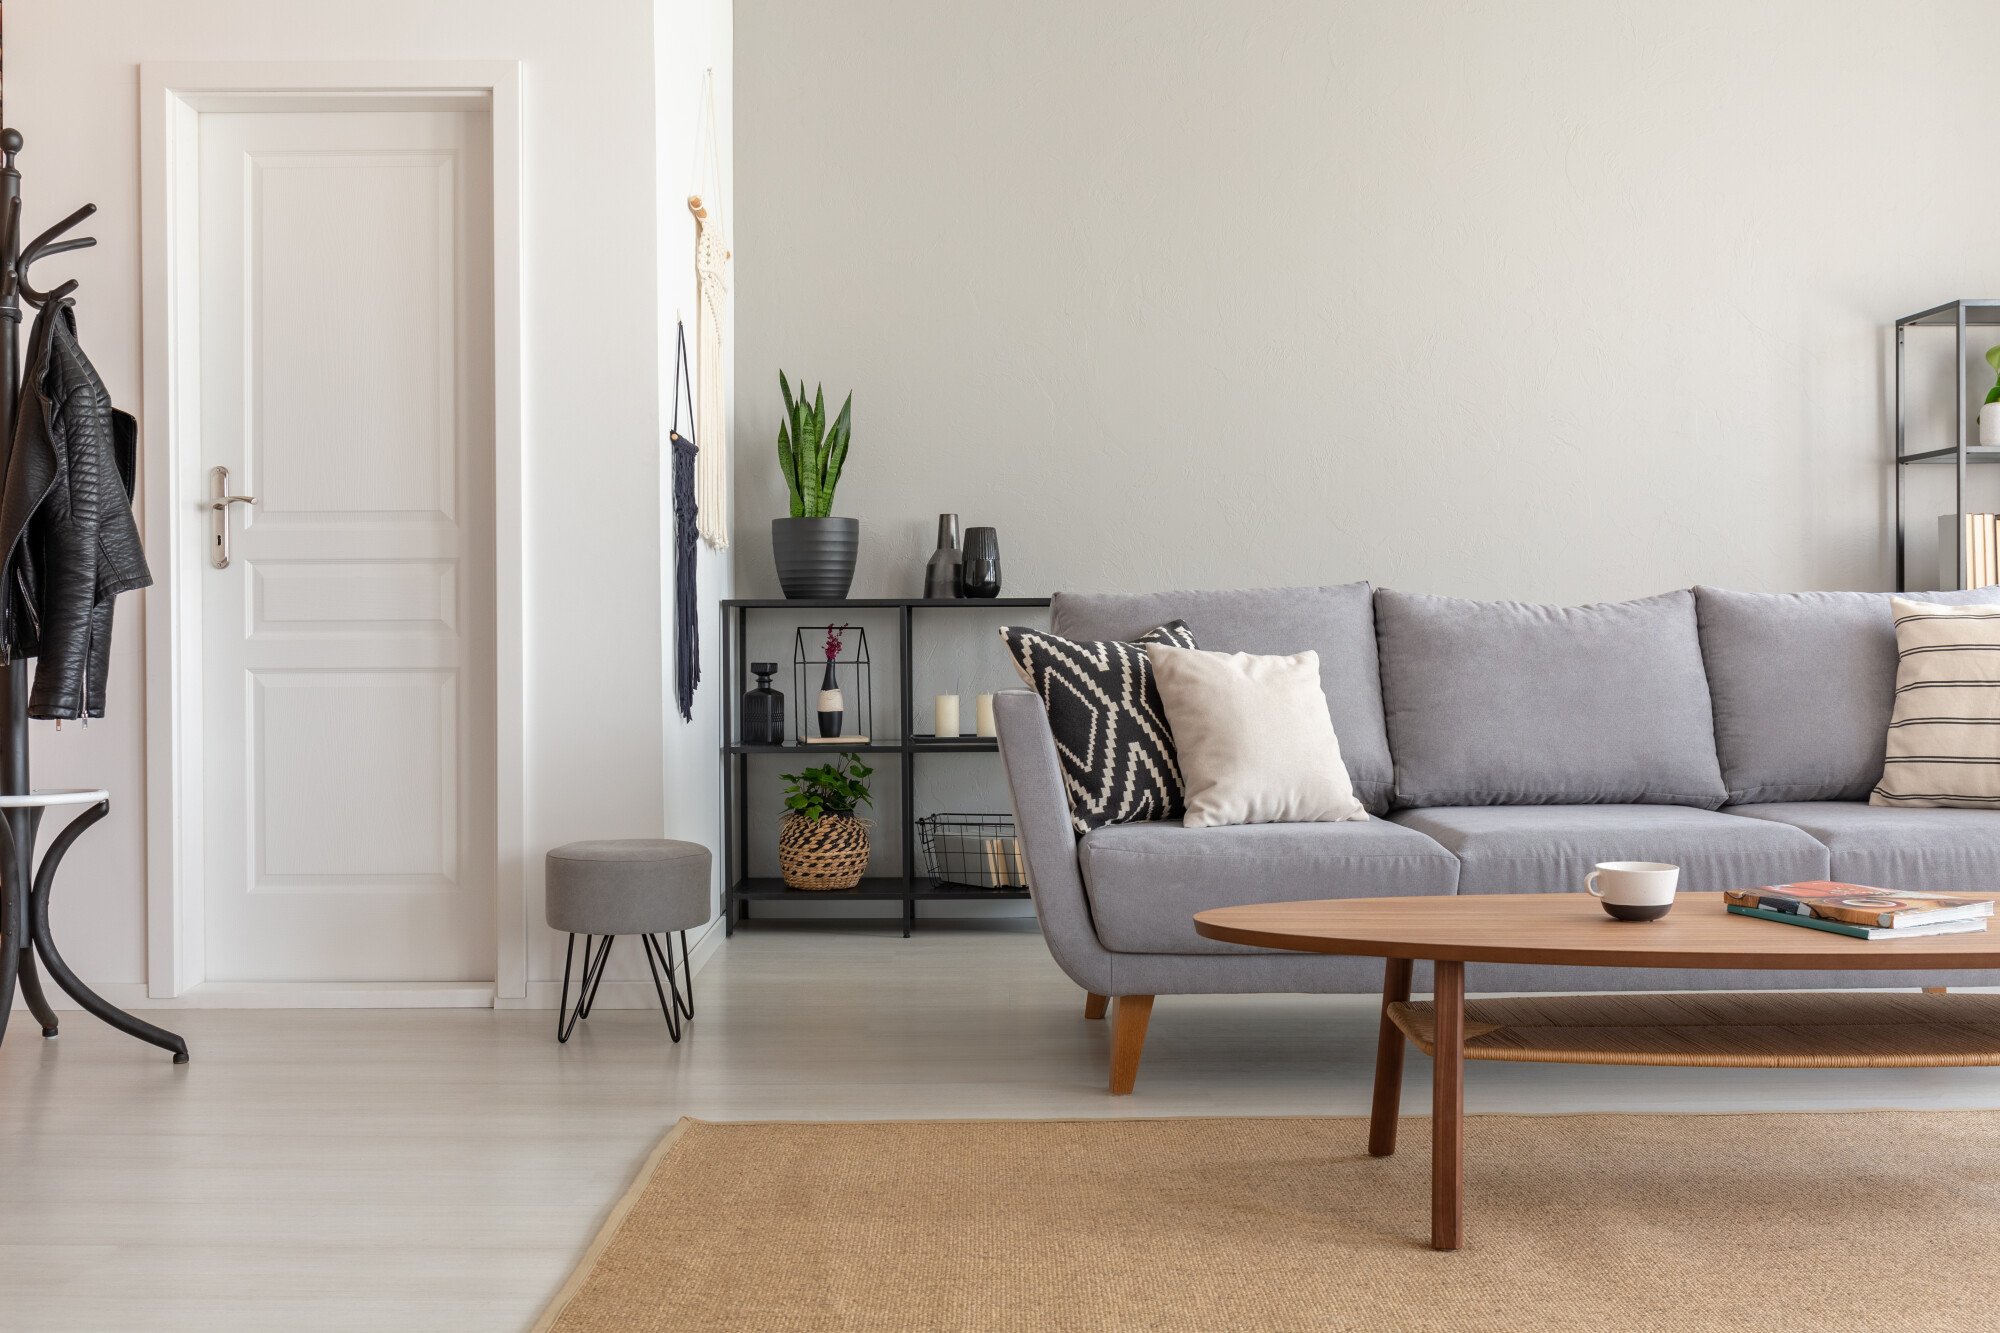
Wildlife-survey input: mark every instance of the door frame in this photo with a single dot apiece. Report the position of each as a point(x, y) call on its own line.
point(172, 98)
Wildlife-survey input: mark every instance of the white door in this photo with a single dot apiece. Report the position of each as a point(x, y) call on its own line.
point(346, 373)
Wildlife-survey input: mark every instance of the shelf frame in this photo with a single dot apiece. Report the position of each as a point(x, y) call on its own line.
point(909, 888)
point(1982, 312)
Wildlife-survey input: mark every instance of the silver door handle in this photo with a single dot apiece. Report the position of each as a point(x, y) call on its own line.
point(218, 510)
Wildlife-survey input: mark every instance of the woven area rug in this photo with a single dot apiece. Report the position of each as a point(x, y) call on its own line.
point(1852, 1221)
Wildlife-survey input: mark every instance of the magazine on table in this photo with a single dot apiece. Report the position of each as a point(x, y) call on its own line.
point(1860, 905)
point(1968, 925)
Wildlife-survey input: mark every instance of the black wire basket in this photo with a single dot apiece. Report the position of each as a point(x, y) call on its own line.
point(972, 852)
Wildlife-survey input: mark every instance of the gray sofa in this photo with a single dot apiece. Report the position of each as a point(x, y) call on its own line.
point(1501, 748)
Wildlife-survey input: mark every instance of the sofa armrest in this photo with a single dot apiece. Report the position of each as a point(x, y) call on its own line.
point(1048, 840)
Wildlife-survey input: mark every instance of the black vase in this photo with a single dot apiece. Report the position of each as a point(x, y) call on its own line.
point(982, 562)
point(815, 556)
point(943, 575)
point(829, 718)
point(763, 709)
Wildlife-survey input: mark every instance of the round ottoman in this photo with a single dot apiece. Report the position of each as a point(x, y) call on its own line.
point(628, 886)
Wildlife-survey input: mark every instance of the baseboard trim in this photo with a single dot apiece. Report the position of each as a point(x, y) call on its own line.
point(291, 995)
point(615, 993)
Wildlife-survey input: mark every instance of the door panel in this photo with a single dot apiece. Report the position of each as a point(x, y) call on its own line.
point(348, 648)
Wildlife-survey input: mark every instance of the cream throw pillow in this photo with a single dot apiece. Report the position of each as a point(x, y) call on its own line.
point(1255, 741)
point(1944, 736)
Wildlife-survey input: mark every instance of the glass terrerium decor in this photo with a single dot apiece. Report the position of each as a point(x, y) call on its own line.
point(831, 671)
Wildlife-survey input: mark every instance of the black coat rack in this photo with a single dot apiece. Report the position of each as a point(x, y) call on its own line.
point(24, 887)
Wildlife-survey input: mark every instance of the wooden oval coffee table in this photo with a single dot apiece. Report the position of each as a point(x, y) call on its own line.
point(1830, 1030)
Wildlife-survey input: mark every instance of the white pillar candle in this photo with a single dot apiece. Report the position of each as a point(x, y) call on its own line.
point(947, 715)
point(985, 722)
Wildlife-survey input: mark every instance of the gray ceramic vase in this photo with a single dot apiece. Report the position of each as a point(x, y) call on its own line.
point(815, 556)
point(943, 577)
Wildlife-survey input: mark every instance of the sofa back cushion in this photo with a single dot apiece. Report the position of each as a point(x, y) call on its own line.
point(1803, 685)
point(1502, 703)
point(1338, 623)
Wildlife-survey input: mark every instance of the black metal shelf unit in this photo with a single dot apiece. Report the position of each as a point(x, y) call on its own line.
point(908, 888)
point(1962, 452)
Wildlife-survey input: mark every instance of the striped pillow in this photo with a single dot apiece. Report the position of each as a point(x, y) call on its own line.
point(1944, 737)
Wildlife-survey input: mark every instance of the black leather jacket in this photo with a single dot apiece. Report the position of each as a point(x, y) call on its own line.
point(70, 545)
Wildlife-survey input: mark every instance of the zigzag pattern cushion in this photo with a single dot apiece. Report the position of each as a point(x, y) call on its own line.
point(1110, 728)
point(1944, 736)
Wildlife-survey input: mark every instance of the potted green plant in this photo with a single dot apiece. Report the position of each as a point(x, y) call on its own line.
point(822, 843)
point(1989, 413)
point(814, 551)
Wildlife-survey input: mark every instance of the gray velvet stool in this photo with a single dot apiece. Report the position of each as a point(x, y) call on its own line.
point(628, 886)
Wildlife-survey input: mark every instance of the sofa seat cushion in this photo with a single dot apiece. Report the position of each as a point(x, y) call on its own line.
point(1504, 703)
point(1550, 848)
point(1145, 882)
point(1338, 623)
point(1943, 851)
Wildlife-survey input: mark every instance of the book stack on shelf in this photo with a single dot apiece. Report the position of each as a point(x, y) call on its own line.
point(1862, 912)
point(1982, 550)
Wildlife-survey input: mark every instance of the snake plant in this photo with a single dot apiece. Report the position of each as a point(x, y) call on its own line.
point(810, 451)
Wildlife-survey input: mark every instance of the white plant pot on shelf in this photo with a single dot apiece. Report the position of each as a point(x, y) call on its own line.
point(1989, 423)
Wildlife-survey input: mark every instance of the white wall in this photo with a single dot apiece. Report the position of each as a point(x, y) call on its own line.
point(598, 725)
point(1559, 299)
point(692, 39)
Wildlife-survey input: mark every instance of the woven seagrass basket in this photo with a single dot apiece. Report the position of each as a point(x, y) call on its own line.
point(830, 852)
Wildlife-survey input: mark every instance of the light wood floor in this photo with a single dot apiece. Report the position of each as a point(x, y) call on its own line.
point(442, 1169)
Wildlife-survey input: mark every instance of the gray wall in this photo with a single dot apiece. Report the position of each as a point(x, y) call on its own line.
point(1552, 301)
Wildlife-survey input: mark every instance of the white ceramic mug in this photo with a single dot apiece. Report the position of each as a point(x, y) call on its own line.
point(1634, 890)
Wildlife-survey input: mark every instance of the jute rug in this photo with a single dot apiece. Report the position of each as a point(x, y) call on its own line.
point(1852, 1221)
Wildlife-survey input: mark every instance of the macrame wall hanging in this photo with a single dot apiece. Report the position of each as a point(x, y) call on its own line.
point(686, 456)
point(711, 276)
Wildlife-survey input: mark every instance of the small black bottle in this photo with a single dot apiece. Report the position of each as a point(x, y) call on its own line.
point(763, 709)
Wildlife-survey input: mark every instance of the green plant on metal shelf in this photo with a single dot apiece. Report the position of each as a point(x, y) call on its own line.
point(809, 450)
point(838, 788)
point(1989, 414)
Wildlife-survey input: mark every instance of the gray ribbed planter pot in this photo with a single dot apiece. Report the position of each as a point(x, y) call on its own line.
point(815, 556)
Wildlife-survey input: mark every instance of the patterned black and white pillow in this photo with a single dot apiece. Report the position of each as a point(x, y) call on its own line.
point(1110, 729)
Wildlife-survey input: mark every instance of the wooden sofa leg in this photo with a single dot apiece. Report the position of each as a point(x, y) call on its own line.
point(1128, 1040)
point(1094, 1004)
point(1937, 990)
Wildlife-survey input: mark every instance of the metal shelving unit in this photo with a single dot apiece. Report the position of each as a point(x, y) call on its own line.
point(1963, 453)
point(908, 888)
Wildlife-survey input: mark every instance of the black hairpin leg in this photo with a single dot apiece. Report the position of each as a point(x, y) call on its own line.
point(586, 992)
point(661, 957)
point(687, 976)
point(38, 926)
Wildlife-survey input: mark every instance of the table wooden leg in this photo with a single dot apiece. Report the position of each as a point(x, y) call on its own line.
point(1448, 1110)
point(1389, 1061)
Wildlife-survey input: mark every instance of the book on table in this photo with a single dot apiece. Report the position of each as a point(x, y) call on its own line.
point(1880, 912)
point(1965, 926)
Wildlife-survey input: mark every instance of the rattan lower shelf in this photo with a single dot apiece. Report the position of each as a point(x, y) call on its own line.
point(1795, 1030)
